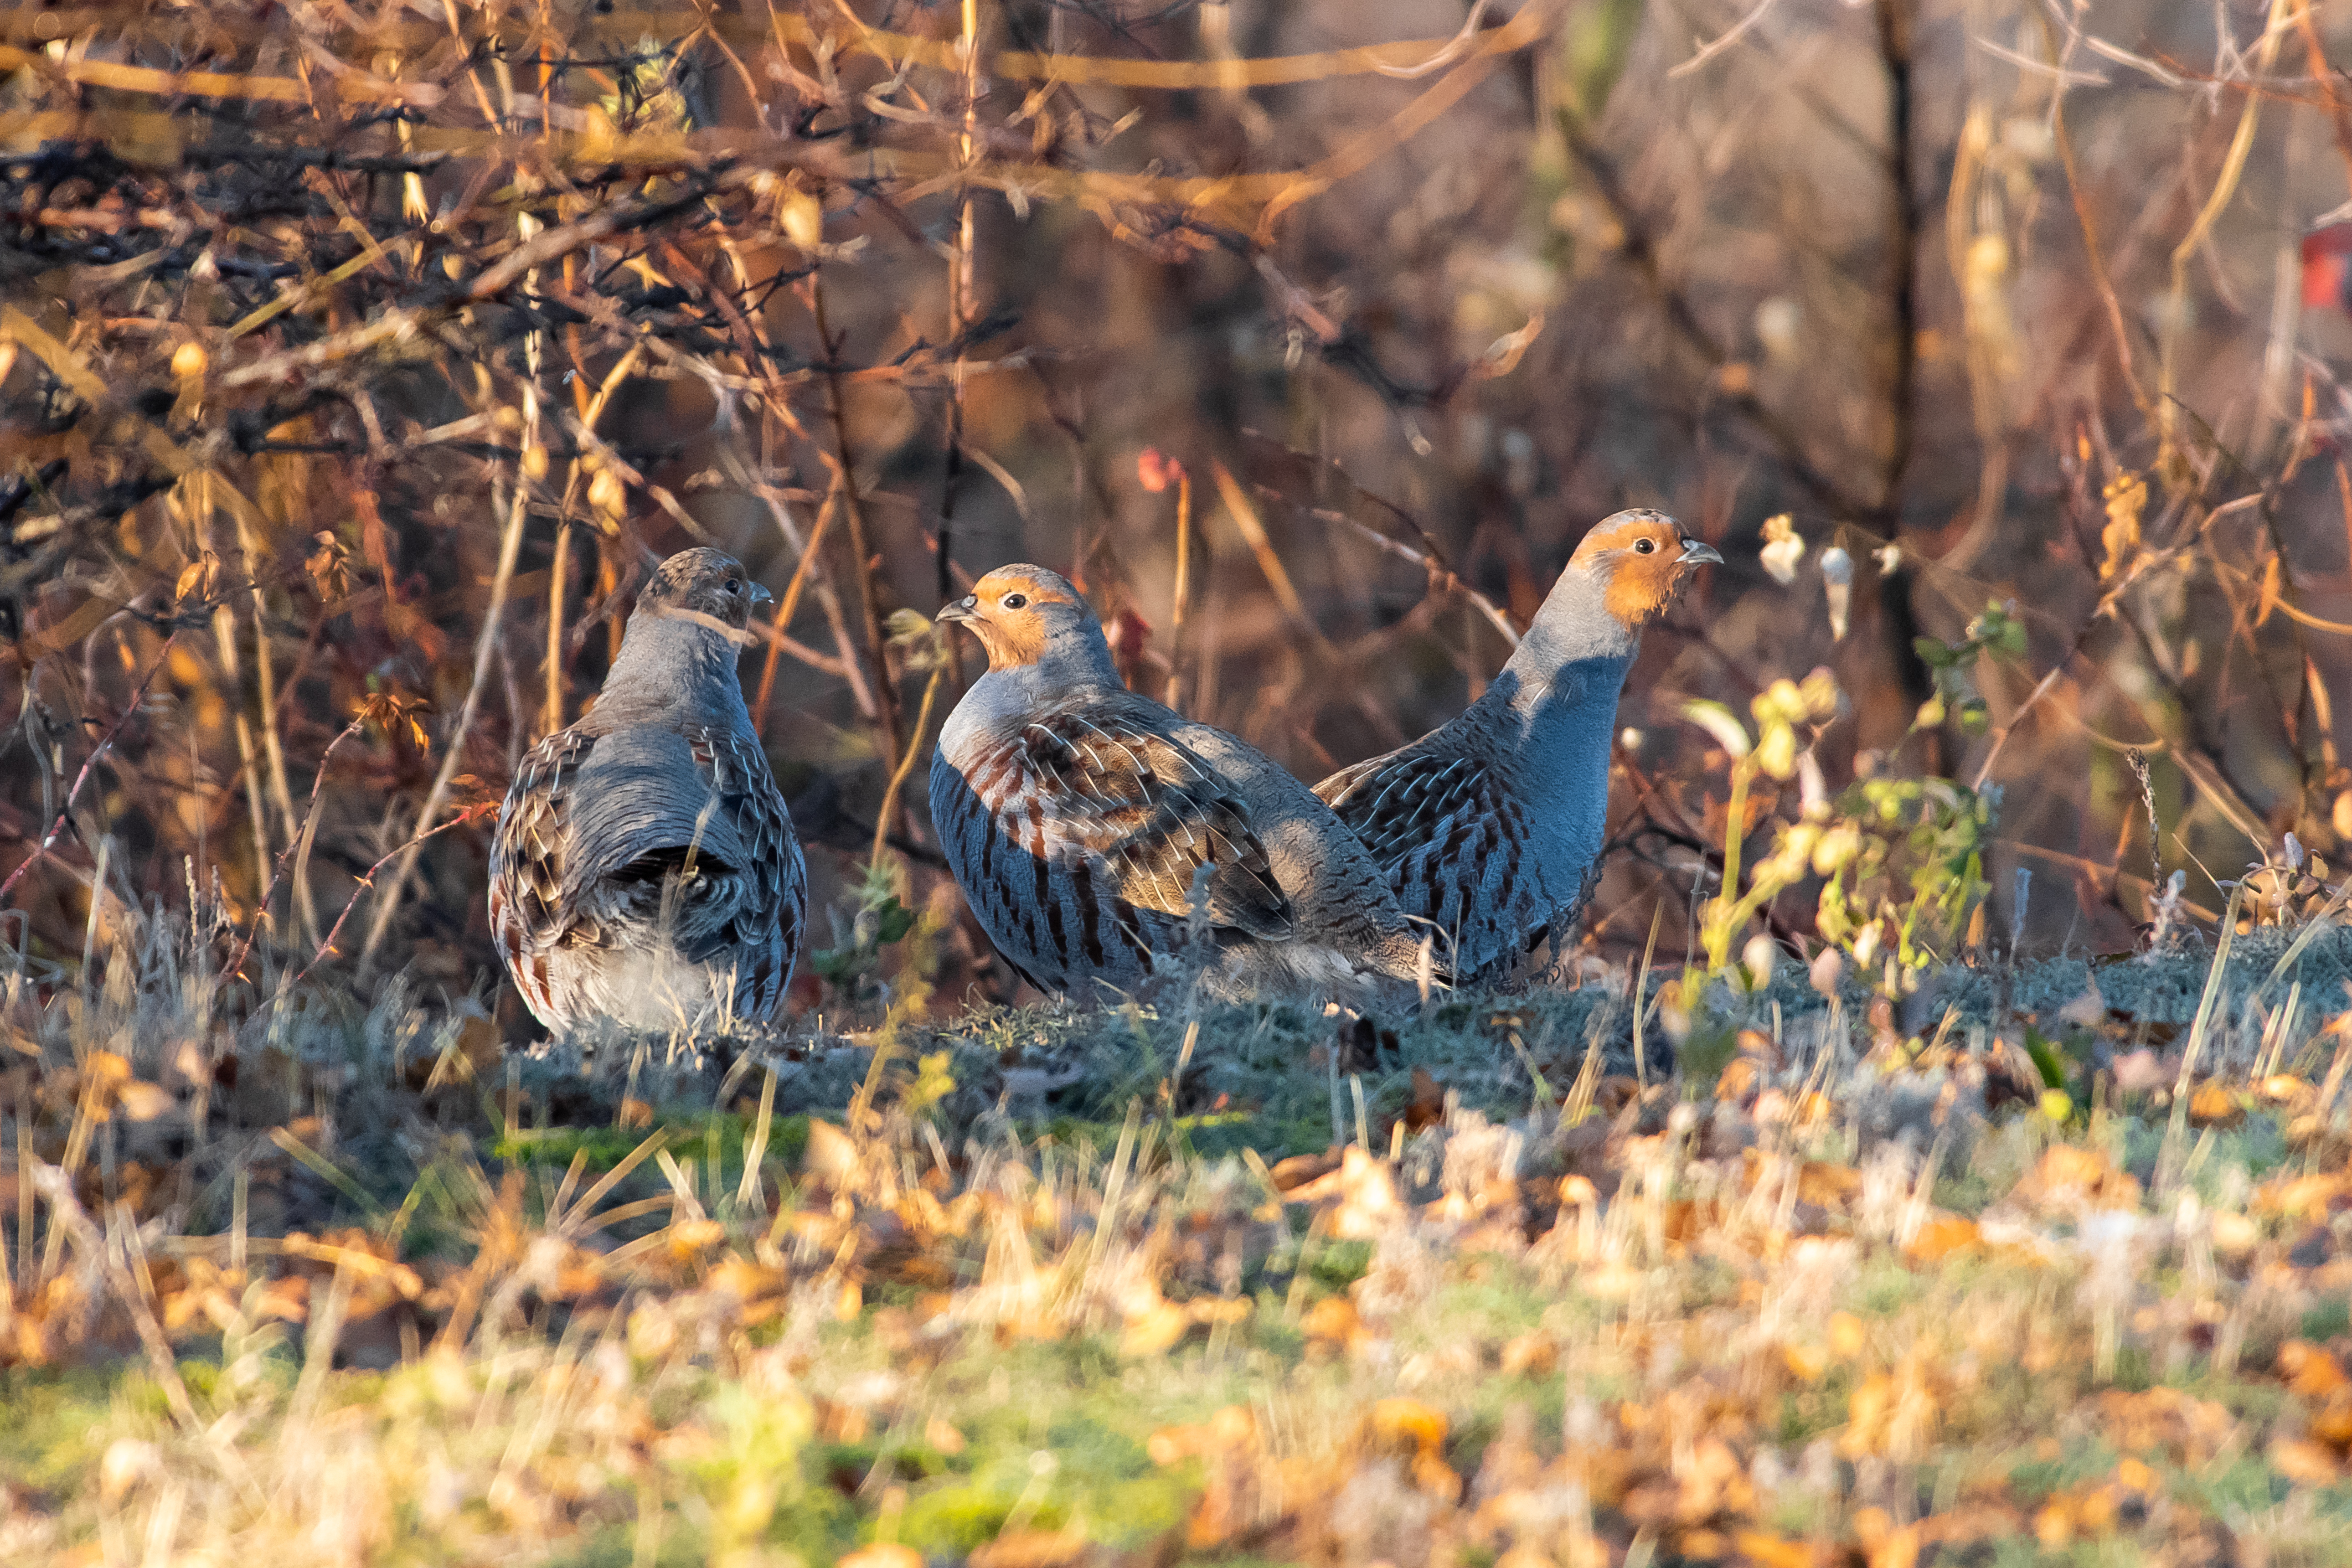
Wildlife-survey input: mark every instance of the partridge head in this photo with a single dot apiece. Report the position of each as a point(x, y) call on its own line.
point(1640, 560)
point(1027, 617)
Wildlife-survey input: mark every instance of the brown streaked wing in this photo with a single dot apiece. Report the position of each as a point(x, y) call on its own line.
point(528, 849)
point(1154, 816)
point(527, 859)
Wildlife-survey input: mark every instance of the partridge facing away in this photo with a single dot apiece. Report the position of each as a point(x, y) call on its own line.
point(1490, 825)
point(645, 868)
point(1078, 816)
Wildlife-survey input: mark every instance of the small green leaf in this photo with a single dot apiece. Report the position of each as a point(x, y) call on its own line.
point(2047, 1061)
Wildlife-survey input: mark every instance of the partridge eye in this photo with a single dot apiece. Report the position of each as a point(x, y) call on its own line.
point(1645, 547)
point(1016, 601)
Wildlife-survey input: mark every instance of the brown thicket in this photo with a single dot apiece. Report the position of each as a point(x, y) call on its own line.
point(357, 360)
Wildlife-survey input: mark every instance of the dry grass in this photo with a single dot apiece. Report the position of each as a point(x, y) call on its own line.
point(1026, 1289)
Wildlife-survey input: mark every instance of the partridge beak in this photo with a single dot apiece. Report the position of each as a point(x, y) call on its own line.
point(964, 609)
point(1694, 553)
point(760, 596)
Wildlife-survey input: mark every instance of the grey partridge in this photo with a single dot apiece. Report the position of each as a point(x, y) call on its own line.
point(645, 868)
point(1080, 817)
point(1490, 825)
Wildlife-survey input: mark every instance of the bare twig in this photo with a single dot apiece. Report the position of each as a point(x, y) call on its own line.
point(81, 777)
point(453, 748)
point(302, 840)
point(885, 691)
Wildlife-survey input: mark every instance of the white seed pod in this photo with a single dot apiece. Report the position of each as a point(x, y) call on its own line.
point(1837, 579)
point(1780, 323)
point(1782, 549)
point(1813, 790)
point(1828, 969)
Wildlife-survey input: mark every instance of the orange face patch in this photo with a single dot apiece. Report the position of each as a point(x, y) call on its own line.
point(1643, 553)
point(1004, 614)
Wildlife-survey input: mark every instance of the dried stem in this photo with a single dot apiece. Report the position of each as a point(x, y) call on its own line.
point(885, 691)
point(551, 718)
point(1903, 242)
point(787, 604)
point(453, 748)
point(65, 813)
point(302, 839)
point(1180, 599)
point(905, 765)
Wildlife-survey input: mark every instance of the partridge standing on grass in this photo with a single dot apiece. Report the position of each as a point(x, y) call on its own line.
point(1079, 816)
point(1490, 827)
point(645, 868)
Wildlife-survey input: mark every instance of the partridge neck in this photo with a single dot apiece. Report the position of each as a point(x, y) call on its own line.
point(1572, 634)
point(1009, 698)
point(675, 667)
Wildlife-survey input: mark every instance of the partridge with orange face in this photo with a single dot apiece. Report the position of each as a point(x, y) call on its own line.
point(1490, 825)
point(645, 868)
point(1081, 819)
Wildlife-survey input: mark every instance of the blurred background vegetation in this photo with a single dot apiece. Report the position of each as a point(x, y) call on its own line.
point(357, 361)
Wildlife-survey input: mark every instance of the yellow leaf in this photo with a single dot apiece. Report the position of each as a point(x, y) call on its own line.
point(144, 1102)
point(832, 1154)
point(1942, 1236)
point(801, 217)
point(2213, 1105)
point(2311, 1372)
point(1155, 1330)
point(1397, 1420)
point(1807, 1362)
point(1332, 1318)
point(2127, 496)
point(1772, 1552)
point(883, 1555)
point(2302, 1460)
point(690, 1237)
